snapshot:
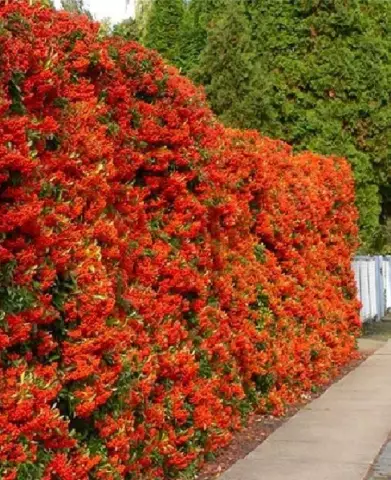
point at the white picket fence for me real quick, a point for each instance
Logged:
(373, 278)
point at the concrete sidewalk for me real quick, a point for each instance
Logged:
(335, 437)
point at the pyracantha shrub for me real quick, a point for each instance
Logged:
(161, 277)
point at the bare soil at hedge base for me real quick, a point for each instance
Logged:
(261, 426)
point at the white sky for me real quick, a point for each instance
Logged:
(116, 10)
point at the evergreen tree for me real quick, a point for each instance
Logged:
(319, 79)
(198, 15)
(227, 62)
(128, 29)
(142, 11)
(163, 27)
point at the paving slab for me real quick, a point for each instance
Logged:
(369, 344)
(335, 437)
(291, 470)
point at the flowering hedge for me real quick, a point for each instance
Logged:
(161, 277)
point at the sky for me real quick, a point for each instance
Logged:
(116, 10)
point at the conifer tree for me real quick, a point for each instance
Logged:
(316, 74)
(198, 15)
(128, 29)
(142, 10)
(227, 62)
(163, 27)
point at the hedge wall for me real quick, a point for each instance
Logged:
(161, 277)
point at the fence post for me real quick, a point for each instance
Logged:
(387, 279)
(379, 288)
(373, 280)
(370, 286)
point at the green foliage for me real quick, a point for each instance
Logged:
(264, 383)
(31, 470)
(314, 73)
(13, 298)
(194, 31)
(15, 93)
(259, 252)
(163, 27)
(227, 62)
(143, 8)
(75, 6)
(128, 29)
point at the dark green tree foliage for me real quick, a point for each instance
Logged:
(320, 79)
(127, 29)
(163, 27)
(193, 37)
(227, 62)
(188, 37)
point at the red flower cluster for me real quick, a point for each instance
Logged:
(161, 277)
